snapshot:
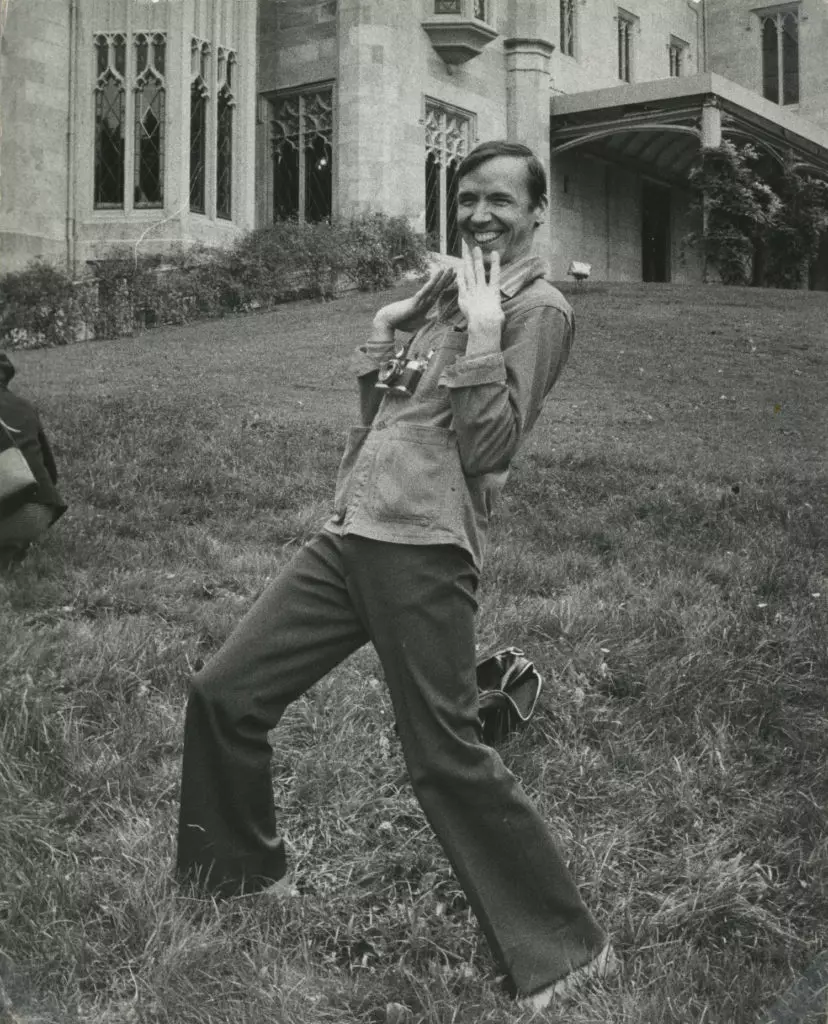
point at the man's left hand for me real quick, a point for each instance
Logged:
(479, 301)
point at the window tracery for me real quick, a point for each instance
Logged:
(448, 135)
(302, 146)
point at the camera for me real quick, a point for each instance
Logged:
(402, 375)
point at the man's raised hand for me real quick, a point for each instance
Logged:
(479, 299)
(410, 314)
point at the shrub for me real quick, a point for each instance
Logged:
(793, 239)
(380, 249)
(38, 307)
(737, 207)
(287, 260)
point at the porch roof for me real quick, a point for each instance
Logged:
(655, 127)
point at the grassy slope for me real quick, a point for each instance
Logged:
(658, 553)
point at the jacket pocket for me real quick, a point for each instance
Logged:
(345, 476)
(416, 474)
(446, 352)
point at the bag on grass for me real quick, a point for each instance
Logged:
(17, 481)
(509, 686)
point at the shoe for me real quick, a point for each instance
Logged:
(285, 888)
(604, 966)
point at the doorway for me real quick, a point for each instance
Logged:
(655, 232)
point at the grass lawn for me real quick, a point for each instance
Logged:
(660, 554)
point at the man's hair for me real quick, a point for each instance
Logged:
(535, 173)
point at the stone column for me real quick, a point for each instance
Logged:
(711, 138)
(375, 104)
(527, 92)
(244, 118)
(711, 124)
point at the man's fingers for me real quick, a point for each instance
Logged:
(479, 269)
(494, 271)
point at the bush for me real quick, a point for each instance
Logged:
(40, 306)
(738, 208)
(762, 220)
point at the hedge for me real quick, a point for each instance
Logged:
(42, 306)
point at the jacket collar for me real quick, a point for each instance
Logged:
(514, 277)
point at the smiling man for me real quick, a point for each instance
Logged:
(442, 415)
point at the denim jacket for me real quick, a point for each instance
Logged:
(428, 469)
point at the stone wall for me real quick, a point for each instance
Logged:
(34, 87)
(734, 44)
(595, 63)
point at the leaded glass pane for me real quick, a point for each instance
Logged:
(149, 144)
(452, 233)
(109, 142)
(160, 53)
(285, 181)
(790, 58)
(198, 138)
(432, 194)
(770, 61)
(480, 9)
(224, 156)
(624, 49)
(141, 52)
(119, 47)
(447, 6)
(568, 27)
(318, 180)
(102, 51)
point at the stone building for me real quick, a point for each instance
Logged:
(156, 121)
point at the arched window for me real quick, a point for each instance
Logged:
(448, 134)
(226, 66)
(302, 146)
(150, 95)
(780, 55)
(199, 96)
(110, 120)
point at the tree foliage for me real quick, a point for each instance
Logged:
(761, 220)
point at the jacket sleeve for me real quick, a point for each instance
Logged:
(496, 398)
(48, 457)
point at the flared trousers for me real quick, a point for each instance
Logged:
(416, 604)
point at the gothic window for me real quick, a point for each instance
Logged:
(780, 55)
(677, 53)
(110, 120)
(626, 26)
(448, 135)
(199, 95)
(448, 6)
(149, 119)
(568, 27)
(224, 140)
(479, 10)
(302, 141)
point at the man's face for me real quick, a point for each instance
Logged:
(494, 210)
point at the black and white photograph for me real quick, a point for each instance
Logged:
(413, 512)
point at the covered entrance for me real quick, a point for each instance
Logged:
(651, 134)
